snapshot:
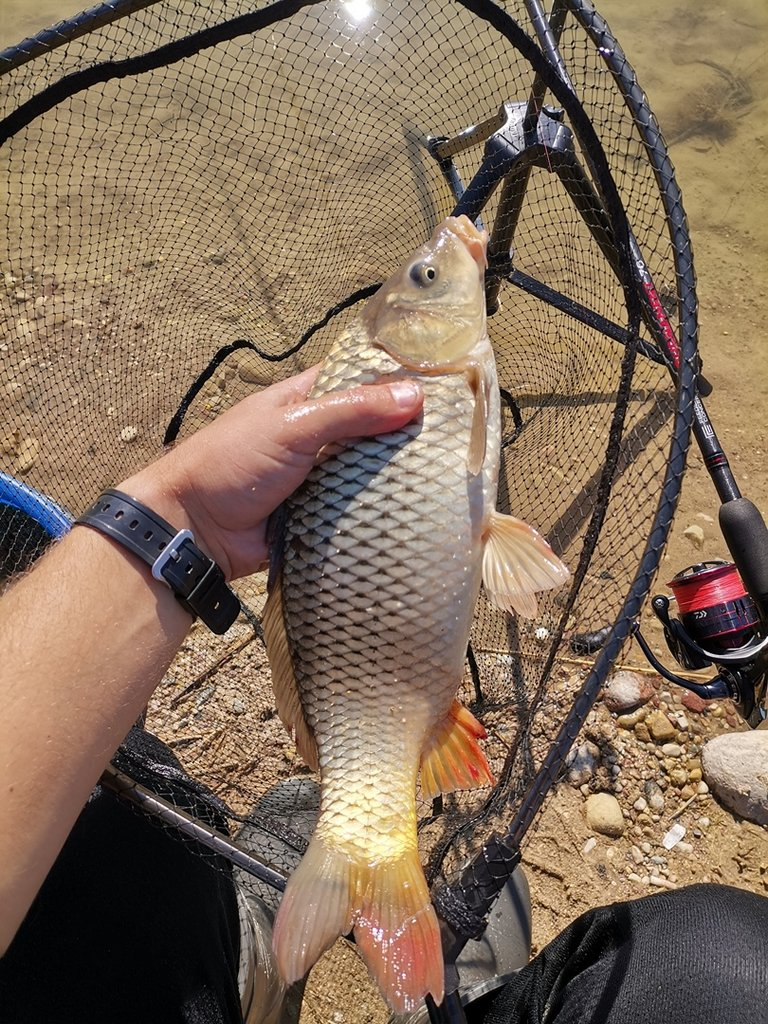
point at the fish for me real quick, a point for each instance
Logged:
(376, 566)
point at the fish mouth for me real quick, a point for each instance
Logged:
(475, 241)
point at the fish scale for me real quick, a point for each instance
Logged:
(370, 606)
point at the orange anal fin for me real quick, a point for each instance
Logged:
(284, 684)
(398, 934)
(452, 758)
(517, 564)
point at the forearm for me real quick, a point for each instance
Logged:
(86, 637)
(76, 672)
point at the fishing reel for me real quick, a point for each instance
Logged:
(719, 625)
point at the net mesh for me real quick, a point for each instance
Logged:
(205, 193)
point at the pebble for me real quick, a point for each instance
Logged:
(641, 804)
(672, 750)
(631, 719)
(653, 795)
(589, 846)
(26, 454)
(734, 767)
(684, 847)
(252, 369)
(637, 854)
(663, 883)
(582, 762)
(604, 815)
(695, 535)
(625, 691)
(129, 434)
(238, 706)
(660, 727)
(634, 877)
(693, 702)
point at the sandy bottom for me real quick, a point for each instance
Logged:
(692, 64)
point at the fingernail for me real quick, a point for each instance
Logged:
(406, 393)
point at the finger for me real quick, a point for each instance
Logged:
(359, 412)
(296, 388)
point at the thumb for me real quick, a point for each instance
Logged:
(359, 412)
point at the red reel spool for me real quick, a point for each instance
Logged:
(714, 605)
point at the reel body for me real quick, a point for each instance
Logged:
(719, 625)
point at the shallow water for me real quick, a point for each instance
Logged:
(704, 67)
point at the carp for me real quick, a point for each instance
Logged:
(376, 568)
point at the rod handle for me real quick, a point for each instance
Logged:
(746, 535)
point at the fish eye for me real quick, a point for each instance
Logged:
(423, 274)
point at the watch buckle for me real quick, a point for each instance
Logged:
(170, 553)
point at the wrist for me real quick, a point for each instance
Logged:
(158, 491)
(169, 553)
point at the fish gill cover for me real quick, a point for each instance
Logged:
(193, 179)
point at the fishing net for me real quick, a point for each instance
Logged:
(200, 195)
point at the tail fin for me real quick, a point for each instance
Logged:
(388, 906)
(315, 910)
(398, 934)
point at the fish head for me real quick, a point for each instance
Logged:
(431, 313)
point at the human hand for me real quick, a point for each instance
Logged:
(225, 481)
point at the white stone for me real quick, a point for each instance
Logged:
(626, 690)
(735, 766)
(663, 883)
(673, 837)
(581, 762)
(695, 535)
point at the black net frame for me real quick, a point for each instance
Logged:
(67, 69)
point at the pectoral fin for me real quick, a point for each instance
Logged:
(517, 563)
(452, 759)
(478, 435)
(287, 700)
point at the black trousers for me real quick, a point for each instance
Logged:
(698, 955)
(135, 926)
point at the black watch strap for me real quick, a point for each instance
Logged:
(196, 580)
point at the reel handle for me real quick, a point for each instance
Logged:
(746, 535)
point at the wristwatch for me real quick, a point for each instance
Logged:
(195, 579)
